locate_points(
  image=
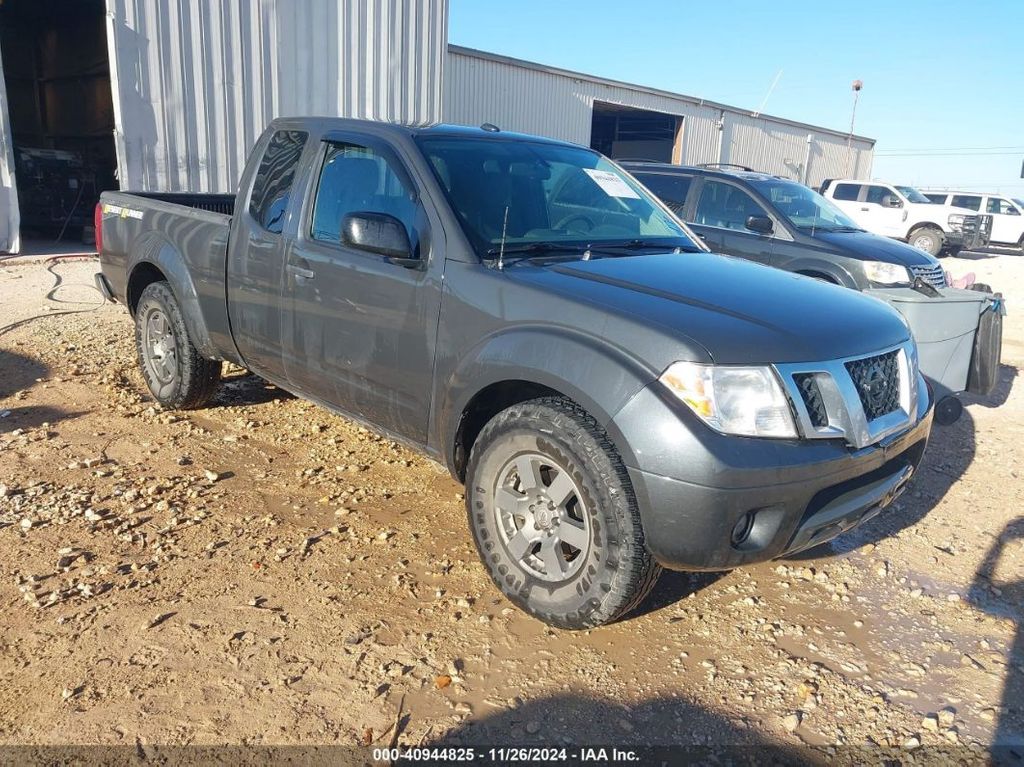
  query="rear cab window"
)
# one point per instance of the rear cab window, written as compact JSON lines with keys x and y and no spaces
{"x":271,"y":191}
{"x":970,"y":201}
{"x":846,"y":192}
{"x":670,"y":188}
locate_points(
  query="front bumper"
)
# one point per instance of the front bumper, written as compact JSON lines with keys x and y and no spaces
{"x":797,"y":493}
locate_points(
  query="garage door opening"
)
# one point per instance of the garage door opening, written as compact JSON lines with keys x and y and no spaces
{"x":624,"y":133}
{"x":57,"y":74}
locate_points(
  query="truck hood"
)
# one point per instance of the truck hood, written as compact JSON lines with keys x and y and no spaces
{"x":873,"y":247}
{"x":739,"y":312}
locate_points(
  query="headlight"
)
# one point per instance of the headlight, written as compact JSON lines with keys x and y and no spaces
{"x":956,"y":222}
{"x":746,"y":401}
{"x":884,"y":273}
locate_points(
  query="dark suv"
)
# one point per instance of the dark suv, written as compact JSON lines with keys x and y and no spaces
{"x":785,"y":224}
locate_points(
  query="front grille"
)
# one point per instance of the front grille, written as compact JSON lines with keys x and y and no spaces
{"x":976,"y":231}
{"x":935,"y":276}
{"x":878,"y":383}
{"x":811,"y":394}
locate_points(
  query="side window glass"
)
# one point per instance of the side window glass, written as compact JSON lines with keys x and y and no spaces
{"x":876,"y":193}
{"x":273,"y":186}
{"x":670,"y":188}
{"x":966,"y":201}
{"x":998,"y":205}
{"x":846,"y":192}
{"x":359,"y":179}
{"x":725,"y":206}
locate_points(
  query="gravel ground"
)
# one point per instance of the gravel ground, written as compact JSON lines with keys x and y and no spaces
{"x":264,"y":572}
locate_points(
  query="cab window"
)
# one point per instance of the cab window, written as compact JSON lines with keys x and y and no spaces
{"x":1001,"y":206}
{"x":670,"y":188}
{"x":725,"y":206}
{"x":359,"y":179}
{"x":966,"y":201}
{"x":877,"y":193}
{"x":846,"y":192}
{"x":272,"y":188}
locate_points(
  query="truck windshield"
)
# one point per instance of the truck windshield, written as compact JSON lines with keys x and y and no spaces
{"x":531,"y":197}
{"x":913,"y":195}
{"x":804,"y":208}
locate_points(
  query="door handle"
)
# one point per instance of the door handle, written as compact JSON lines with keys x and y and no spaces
{"x":866,"y":210}
{"x":300,"y":271}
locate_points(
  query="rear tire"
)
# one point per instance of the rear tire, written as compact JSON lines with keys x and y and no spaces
{"x":176,"y":373}
{"x":554,"y":516}
{"x":928,"y":239}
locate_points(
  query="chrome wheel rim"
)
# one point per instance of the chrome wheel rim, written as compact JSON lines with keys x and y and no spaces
{"x":923,"y":243}
{"x":541,"y":517}
{"x":160,"y":346}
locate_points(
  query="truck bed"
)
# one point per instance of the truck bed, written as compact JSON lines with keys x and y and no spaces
{"x":180,"y":234}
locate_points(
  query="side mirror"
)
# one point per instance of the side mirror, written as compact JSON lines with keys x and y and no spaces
{"x":378,"y":233}
{"x":891,"y":201}
{"x":760,"y":224}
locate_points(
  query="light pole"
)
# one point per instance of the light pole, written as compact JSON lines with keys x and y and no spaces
{"x":856,"y":85}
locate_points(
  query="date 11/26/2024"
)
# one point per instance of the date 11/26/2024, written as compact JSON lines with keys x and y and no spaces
{"x":501,"y":754}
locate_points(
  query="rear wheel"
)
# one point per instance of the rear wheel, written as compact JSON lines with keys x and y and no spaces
{"x":554,"y":516}
{"x":928,"y":239}
{"x":177,"y":375}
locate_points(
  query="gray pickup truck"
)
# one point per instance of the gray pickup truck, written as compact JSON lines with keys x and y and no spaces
{"x":614,"y":398}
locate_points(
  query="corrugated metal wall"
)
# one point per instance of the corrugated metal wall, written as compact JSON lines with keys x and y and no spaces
{"x":516,"y":95}
{"x":196,"y":81}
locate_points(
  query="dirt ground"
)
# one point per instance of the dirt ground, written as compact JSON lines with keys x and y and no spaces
{"x":264,"y":572}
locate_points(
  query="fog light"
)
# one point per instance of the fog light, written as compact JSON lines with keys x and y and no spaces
{"x":741,"y":530}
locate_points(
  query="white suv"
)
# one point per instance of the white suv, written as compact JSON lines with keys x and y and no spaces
{"x":903,"y":213}
{"x":1007,"y":213}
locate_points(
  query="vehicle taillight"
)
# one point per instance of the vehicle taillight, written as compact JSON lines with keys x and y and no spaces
{"x":97,"y":220}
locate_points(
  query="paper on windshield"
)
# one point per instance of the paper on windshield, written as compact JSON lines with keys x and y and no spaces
{"x":612,"y":184}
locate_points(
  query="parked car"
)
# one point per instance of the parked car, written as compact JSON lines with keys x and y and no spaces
{"x":521,"y":310}
{"x":785,"y":224}
{"x":1007,"y":213}
{"x":903,"y":213}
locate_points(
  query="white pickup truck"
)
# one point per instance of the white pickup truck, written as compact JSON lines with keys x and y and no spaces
{"x":1007,"y":213}
{"x":903,"y":213}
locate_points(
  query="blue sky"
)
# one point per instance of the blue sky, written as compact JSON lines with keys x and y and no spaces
{"x":942,"y":80}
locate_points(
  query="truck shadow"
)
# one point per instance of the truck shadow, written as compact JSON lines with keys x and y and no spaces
{"x":993,"y":594}
{"x":573,"y":721}
{"x":951,"y":451}
{"x":245,"y":388}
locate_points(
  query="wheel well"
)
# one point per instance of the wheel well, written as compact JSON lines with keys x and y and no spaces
{"x":486,"y":404}
{"x":926,"y":225}
{"x":819,"y":276}
{"x":142,"y":276}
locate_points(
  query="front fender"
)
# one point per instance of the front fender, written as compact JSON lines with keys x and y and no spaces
{"x":838,"y":273}
{"x":599,"y":377}
{"x":154,"y":249}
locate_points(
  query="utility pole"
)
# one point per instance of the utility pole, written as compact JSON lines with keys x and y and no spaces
{"x":856,"y":85}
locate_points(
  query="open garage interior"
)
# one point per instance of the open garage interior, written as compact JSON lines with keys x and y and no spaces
{"x":57,"y":74}
{"x":625,"y":133}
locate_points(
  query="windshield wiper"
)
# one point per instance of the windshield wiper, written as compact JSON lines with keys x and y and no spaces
{"x":640,"y":245}
{"x":526,"y":251}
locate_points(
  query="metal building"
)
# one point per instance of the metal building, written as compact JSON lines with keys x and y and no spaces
{"x":153,"y":95}
{"x":635,"y":122}
{"x":171,"y":94}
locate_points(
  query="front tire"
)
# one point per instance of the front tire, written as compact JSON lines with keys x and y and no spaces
{"x":176,"y":373}
{"x":927,"y":239}
{"x":554,"y":516}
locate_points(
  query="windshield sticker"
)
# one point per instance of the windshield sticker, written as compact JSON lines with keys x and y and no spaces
{"x":612,"y":184}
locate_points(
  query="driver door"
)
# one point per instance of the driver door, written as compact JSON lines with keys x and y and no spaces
{"x":1007,"y":222}
{"x":881,"y":218}
{"x":361,"y":327}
